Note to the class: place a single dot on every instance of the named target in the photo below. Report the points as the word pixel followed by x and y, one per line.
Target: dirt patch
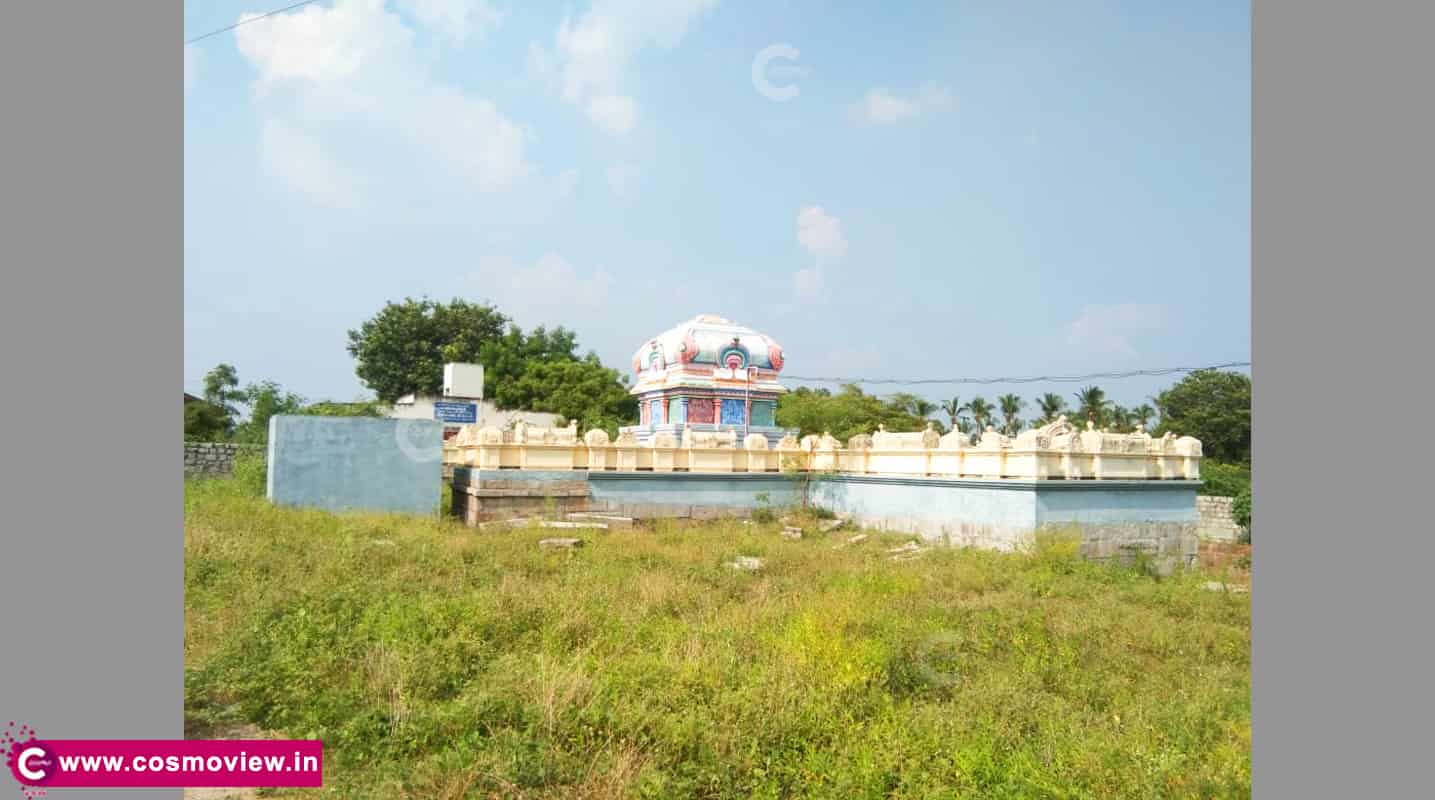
pixel 1230 558
pixel 227 731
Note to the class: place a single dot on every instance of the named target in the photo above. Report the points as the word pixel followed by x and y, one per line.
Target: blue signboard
pixel 456 413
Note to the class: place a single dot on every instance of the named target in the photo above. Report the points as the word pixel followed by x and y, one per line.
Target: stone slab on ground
pixel 609 520
pixel 746 563
pixel 560 544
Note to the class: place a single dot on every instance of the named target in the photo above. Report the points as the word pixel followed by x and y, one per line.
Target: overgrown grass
pixel 437 661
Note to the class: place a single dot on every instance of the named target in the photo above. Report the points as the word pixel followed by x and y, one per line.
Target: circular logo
pixel 415 440
pixel 34 763
pixel 765 87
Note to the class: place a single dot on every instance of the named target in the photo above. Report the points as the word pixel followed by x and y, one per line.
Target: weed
pixel 445 663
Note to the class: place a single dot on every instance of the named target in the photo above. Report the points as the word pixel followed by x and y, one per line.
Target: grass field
pixel 436 661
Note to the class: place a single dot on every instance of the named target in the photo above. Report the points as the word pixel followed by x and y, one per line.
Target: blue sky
pixel 953 189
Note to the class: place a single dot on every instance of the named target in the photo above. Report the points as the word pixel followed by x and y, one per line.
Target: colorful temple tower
pixel 708 374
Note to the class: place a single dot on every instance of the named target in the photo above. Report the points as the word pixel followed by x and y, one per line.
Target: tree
pixel 205 422
pixel 1051 405
pixel 1011 406
pixel 1143 414
pixel 1092 404
pixel 981 412
pixel 1215 407
pixel 955 411
pixel 844 414
pixel 360 408
pixel 403 348
pixel 221 390
pixel 265 399
pixel 913 404
pixel 584 390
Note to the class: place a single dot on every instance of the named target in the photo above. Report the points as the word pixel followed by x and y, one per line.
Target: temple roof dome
pixel 708 339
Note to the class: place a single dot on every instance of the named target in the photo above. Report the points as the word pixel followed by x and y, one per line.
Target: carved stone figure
pixel 992 440
pixel 955 440
pixel 930 438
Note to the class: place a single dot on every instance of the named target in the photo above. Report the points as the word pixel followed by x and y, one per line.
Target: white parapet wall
pixel 1058 451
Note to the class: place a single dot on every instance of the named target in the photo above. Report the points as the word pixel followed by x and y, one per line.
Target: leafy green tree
pixel 913 404
pixel 845 414
pixel 221 390
pixel 205 422
pixel 1011 405
pixel 403 348
pixel 1215 407
pixel 1241 512
pixel 583 390
pixel 265 399
pixel 1092 404
pixel 1051 405
pixel 361 408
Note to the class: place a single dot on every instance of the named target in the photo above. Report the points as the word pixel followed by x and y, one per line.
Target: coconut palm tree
pixel 912 404
pixel 953 408
pixel 1144 413
pixel 1091 404
pixel 1011 406
pixel 1160 408
pixel 1120 418
pixel 1051 405
pixel 981 412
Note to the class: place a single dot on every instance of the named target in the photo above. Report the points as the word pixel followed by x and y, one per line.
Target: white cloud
pixel 613 113
pixel 591 55
pixel 191 65
pixel 881 106
pixel 548 283
pixel 300 161
pixel 808 282
pixel 349 85
pixel 620 177
pixel 1113 330
pixel 820 233
pixel 455 19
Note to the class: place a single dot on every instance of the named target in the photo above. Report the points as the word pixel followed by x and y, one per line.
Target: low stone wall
pixel 214 458
pixel 517 493
pixel 1218 523
pixel 1115 519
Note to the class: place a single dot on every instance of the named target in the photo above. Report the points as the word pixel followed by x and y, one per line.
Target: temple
pixel 710 377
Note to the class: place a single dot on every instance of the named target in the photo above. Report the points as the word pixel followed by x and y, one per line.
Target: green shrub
pixel 251 473
pixel 1224 480
pixel 1241 511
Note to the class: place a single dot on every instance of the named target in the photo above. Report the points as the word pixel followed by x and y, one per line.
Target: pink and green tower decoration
pixel 708 374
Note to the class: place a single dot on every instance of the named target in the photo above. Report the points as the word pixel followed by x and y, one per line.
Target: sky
pixel 916 191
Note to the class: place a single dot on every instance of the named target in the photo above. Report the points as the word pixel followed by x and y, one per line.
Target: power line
pixel 1135 373
pixel 249 20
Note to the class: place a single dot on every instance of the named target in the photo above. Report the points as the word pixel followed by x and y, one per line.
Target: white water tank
pixel 463 380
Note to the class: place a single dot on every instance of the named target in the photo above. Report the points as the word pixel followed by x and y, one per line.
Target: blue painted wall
pixel 347 463
pixel 938 501
pixel 1149 501
pixel 738 490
